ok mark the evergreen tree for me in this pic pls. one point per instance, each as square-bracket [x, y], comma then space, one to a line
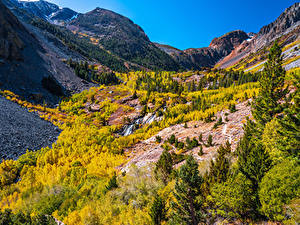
[187, 207]
[210, 141]
[112, 183]
[218, 169]
[253, 160]
[267, 105]
[164, 167]
[290, 123]
[158, 210]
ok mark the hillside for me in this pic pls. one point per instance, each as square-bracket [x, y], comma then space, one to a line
[122, 37]
[43, 75]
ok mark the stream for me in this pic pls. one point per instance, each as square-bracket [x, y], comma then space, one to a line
[130, 128]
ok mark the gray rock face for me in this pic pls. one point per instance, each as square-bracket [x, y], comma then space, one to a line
[21, 130]
[285, 23]
[209, 56]
[10, 43]
[287, 19]
[30, 66]
[234, 46]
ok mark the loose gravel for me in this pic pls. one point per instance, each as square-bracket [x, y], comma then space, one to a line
[21, 130]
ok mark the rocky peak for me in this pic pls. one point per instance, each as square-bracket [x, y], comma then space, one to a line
[226, 43]
[41, 8]
[289, 18]
[108, 22]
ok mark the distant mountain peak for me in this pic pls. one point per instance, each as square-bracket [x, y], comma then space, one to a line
[229, 40]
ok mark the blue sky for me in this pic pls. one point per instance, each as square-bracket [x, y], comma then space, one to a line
[189, 23]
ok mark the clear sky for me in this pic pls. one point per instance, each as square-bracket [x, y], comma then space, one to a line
[189, 23]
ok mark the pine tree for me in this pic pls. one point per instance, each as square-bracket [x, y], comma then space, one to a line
[158, 210]
[290, 123]
[164, 167]
[267, 105]
[219, 168]
[112, 183]
[210, 141]
[253, 160]
[187, 207]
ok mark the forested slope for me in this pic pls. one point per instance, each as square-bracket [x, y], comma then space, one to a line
[79, 180]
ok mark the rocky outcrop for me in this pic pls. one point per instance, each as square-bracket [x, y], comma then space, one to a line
[29, 66]
[207, 57]
[226, 43]
[289, 18]
[10, 43]
[286, 27]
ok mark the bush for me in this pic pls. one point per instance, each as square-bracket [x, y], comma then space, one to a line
[180, 145]
[200, 137]
[218, 123]
[158, 139]
[231, 199]
[232, 108]
[209, 141]
[278, 187]
[172, 139]
[200, 153]
[112, 184]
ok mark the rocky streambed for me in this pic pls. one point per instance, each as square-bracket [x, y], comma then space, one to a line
[21, 130]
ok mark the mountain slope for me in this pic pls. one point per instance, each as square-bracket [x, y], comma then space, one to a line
[122, 37]
[29, 67]
[209, 56]
[285, 28]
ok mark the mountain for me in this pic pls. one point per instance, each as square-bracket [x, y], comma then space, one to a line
[209, 56]
[44, 10]
[64, 14]
[285, 28]
[236, 46]
[114, 33]
[116, 42]
[123, 38]
[30, 66]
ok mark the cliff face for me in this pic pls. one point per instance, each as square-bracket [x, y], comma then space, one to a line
[28, 65]
[286, 27]
[225, 44]
[10, 43]
[289, 18]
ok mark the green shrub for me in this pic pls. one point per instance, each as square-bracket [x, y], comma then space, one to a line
[231, 199]
[278, 187]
